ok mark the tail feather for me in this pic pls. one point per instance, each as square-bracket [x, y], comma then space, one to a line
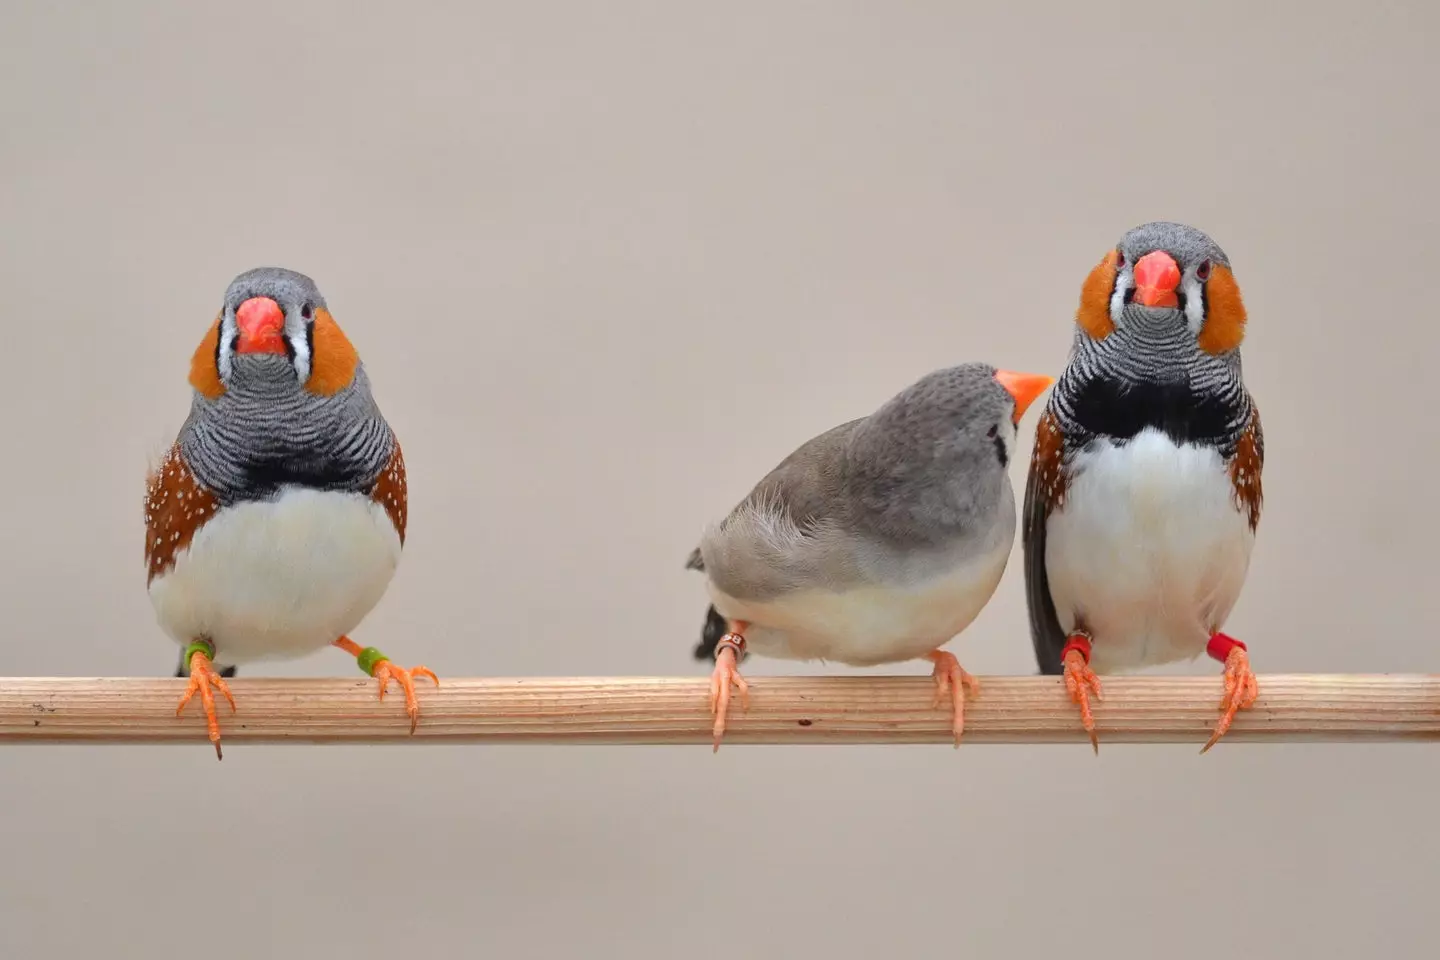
[715, 627]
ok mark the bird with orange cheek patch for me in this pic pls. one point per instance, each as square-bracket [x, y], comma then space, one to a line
[1144, 489]
[275, 522]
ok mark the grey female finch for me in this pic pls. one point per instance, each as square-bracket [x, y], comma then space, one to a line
[877, 541]
[1144, 489]
[275, 522]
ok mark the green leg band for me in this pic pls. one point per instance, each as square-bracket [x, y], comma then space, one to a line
[199, 646]
[370, 658]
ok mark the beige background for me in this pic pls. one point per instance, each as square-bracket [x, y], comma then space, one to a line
[607, 264]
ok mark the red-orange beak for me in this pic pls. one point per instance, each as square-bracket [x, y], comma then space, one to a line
[1024, 387]
[1156, 277]
[261, 323]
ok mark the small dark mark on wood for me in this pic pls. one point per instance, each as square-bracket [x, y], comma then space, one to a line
[37, 723]
[803, 723]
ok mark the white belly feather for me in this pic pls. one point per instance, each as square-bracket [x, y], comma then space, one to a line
[280, 578]
[1150, 547]
[870, 625]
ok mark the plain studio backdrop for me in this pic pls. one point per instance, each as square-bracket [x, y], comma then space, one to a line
[606, 265]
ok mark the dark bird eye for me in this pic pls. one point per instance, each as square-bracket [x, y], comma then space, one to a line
[1119, 258]
[307, 311]
[993, 432]
[1202, 272]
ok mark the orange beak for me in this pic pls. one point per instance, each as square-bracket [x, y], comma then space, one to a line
[1024, 387]
[1156, 277]
[260, 321]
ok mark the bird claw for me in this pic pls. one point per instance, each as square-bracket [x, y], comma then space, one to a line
[202, 678]
[952, 680]
[725, 675]
[1080, 682]
[385, 671]
[1241, 691]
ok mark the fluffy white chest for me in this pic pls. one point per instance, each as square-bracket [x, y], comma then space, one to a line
[870, 625]
[1150, 549]
[280, 578]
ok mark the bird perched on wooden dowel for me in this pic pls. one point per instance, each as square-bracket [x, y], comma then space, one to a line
[875, 542]
[275, 522]
[1144, 490]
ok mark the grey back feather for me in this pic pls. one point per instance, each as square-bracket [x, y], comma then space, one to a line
[887, 497]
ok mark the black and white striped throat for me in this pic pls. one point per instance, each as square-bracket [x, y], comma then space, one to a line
[1151, 376]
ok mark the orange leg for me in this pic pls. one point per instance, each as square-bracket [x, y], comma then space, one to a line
[1081, 681]
[726, 674]
[203, 676]
[951, 679]
[1241, 688]
[378, 665]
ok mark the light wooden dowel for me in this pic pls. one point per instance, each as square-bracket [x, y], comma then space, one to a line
[657, 710]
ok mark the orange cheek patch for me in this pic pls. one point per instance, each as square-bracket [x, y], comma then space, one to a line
[204, 376]
[333, 360]
[1224, 326]
[1094, 313]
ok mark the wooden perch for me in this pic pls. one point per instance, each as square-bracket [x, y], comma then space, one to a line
[783, 710]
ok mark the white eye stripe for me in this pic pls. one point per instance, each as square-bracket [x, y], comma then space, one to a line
[1194, 304]
[300, 343]
[225, 347]
[1123, 280]
[297, 332]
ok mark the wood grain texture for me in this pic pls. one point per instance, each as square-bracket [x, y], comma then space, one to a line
[784, 710]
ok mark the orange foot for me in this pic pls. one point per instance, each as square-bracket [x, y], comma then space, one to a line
[378, 665]
[1241, 688]
[951, 679]
[726, 674]
[202, 677]
[1081, 681]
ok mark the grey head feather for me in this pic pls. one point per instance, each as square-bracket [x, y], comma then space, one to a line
[279, 284]
[266, 431]
[919, 483]
[1188, 245]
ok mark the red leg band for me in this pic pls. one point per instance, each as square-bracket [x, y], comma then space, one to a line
[1220, 646]
[1078, 642]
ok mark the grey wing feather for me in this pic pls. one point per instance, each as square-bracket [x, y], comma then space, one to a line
[754, 549]
[802, 486]
[1045, 632]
